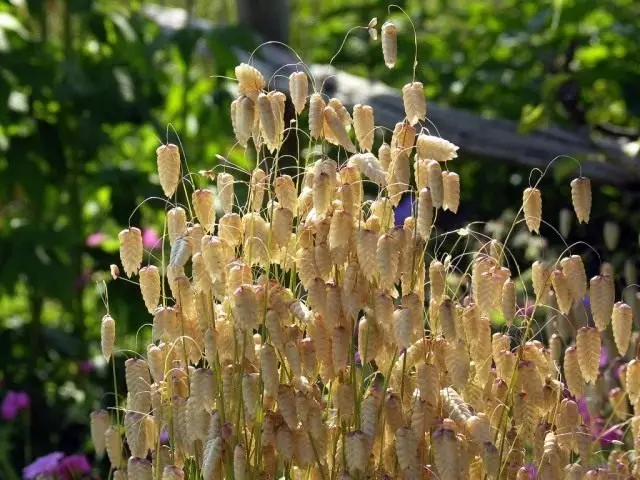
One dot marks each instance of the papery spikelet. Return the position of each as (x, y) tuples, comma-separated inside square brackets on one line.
[(258, 187), (447, 319), (451, 191), (457, 362), (508, 302), (621, 324), (611, 234), (541, 279), (532, 207), (335, 126), (633, 381), (267, 117), (588, 350), (369, 339), (357, 451), (203, 204), (389, 44), (181, 251), (250, 80), (573, 268), (176, 224), (269, 370), (445, 453), (131, 250), (435, 148), (435, 183), (242, 118), (366, 247), (561, 288), (99, 424), (581, 198), (602, 297), (139, 469), (575, 471), (278, 100), (387, 260), (250, 391), (415, 104), (298, 89), (156, 360), (384, 155), (138, 380), (135, 433), (425, 214), (370, 167), (364, 125), (402, 140), (340, 348), (286, 193), (282, 224), (284, 443), (322, 193), (369, 414), (316, 115), (406, 448), (618, 403), (341, 110), (230, 229), (168, 161), (245, 307), (107, 336), (224, 184), (113, 445)]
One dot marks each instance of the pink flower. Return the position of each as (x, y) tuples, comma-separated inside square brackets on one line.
[(606, 437), (150, 238), (95, 239), (12, 403), (73, 467), (85, 367)]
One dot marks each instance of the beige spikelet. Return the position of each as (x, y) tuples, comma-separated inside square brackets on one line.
[(258, 187), (224, 184), (278, 101), (633, 381), (230, 229), (602, 297), (99, 425), (298, 89), (384, 155), (415, 104), (107, 336), (389, 44), (176, 224), (619, 404), (131, 250), (621, 324), (316, 115), (541, 279), (573, 268), (282, 224), (168, 162), (203, 204), (335, 125), (267, 117), (611, 234), (387, 260), (437, 278), (356, 448), (425, 214), (172, 472), (508, 301), (581, 198), (364, 125), (245, 116), (366, 247), (150, 286), (532, 207), (343, 113), (451, 191), (436, 184), (250, 81), (139, 469), (285, 190), (588, 350), (113, 445), (562, 291), (435, 148), (445, 453)]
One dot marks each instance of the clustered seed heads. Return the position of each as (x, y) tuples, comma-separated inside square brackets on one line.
[(314, 332)]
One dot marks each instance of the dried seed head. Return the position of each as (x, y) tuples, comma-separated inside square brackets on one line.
[(172, 472), (618, 403), (435, 183), (364, 125), (387, 260), (138, 380), (532, 206), (425, 214), (389, 44), (250, 81), (602, 297), (286, 193), (633, 381), (561, 288), (415, 104), (573, 268), (278, 101), (245, 307), (621, 324), (541, 278), (113, 443), (298, 89), (588, 350), (131, 250), (369, 166), (334, 125), (224, 184), (244, 113), (204, 206), (435, 148), (611, 234), (107, 336), (99, 425), (316, 115), (267, 117), (451, 191), (343, 113), (581, 198), (139, 469), (168, 161), (258, 188), (509, 301), (176, 224)]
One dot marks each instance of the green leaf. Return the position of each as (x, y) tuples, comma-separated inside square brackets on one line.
[(9, 22), (532, 118)]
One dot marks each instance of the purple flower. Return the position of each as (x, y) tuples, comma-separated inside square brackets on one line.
[(12, 403), (95, 239), (164, 436), (74, 466), (532, 470), (150, 238), (85, 367), (583, 409), (43, 466), (607, 437), (403, 210), (604, 358)]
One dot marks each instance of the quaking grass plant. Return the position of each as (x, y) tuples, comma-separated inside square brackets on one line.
[(305, 334)]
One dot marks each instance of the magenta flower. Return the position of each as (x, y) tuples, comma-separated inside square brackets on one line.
[(95, 239), (85, 367), (532, 470), (604, 358), (74, 466), (43, 466), (606, 437), (583, 409), (12, 403), (150, 238)]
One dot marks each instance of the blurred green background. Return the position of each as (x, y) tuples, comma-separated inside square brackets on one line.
[(89, 87)]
